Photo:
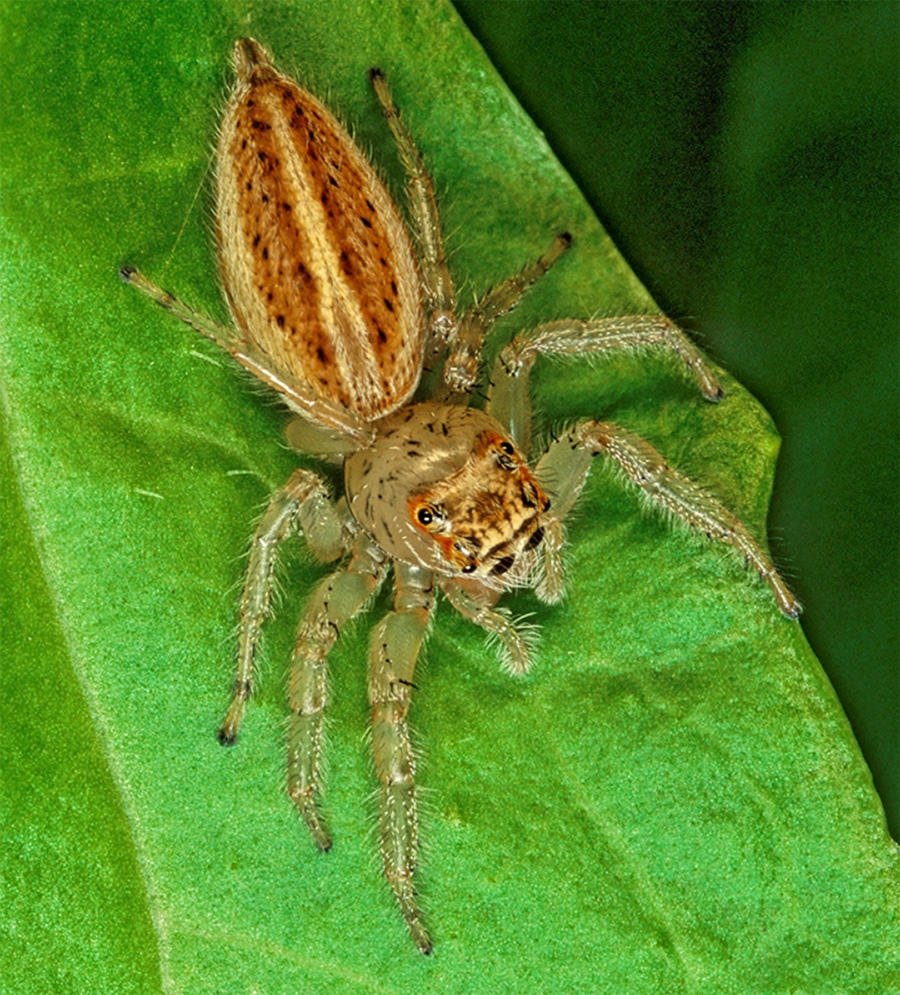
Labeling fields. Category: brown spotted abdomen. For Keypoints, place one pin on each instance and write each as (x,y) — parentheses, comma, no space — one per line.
(315,260)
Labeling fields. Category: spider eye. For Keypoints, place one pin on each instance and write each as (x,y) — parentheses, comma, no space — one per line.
(504,454)
(469,568)
(424,516)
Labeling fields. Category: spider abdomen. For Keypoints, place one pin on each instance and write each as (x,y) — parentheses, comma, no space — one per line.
(315,260)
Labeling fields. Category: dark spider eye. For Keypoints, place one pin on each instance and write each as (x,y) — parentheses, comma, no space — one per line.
(469,568)
(504,455)
(424,516)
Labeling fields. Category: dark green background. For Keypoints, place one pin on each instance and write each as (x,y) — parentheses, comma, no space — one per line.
(744,158)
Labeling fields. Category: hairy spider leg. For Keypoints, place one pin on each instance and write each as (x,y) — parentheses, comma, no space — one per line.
(510,401)
(563,469)
(396,642)
(302,500)
(464,339)
(300,396)
(437,284)
(461,366)
(477,607)
(335,601)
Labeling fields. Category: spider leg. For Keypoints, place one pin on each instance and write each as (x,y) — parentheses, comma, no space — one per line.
(336,600)
(461,367)
(299,395)
(509,399)
(304,500)
(395,646)
(436,280)
(564,467)
(476,604)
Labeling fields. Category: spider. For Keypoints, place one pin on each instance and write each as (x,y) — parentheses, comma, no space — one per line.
(333,309)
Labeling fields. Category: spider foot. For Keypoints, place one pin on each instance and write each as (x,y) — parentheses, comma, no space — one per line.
(228,732)
(402,887)
(308,808)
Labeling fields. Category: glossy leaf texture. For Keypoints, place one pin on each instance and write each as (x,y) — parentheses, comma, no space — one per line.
(672,802)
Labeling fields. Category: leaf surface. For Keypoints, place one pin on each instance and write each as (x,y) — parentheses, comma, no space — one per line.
(671,802)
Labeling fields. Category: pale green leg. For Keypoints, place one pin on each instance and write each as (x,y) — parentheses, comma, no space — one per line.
(395,646)
(436,280)
(303,500)
(477,607)
(563,469)
(336,600)
(461,366)
(299,395)
(509,398)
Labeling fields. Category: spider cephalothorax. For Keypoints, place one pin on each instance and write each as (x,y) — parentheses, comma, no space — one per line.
(472,505)
(332,309)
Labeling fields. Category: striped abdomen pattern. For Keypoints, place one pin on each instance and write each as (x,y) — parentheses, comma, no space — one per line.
(315,260)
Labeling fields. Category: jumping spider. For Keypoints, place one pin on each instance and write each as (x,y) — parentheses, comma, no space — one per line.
(333,310)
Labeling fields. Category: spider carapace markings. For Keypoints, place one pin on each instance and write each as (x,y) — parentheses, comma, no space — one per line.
(333,309)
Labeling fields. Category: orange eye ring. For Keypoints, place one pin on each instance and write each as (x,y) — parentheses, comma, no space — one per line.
(424,515)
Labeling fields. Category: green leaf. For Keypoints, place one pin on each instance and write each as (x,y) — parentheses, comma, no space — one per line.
(672,802)
(744,158)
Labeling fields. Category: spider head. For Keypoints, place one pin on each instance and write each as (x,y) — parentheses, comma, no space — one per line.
(443,487)
(485,517)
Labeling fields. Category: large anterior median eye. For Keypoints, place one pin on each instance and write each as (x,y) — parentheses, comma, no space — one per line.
(425,515)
